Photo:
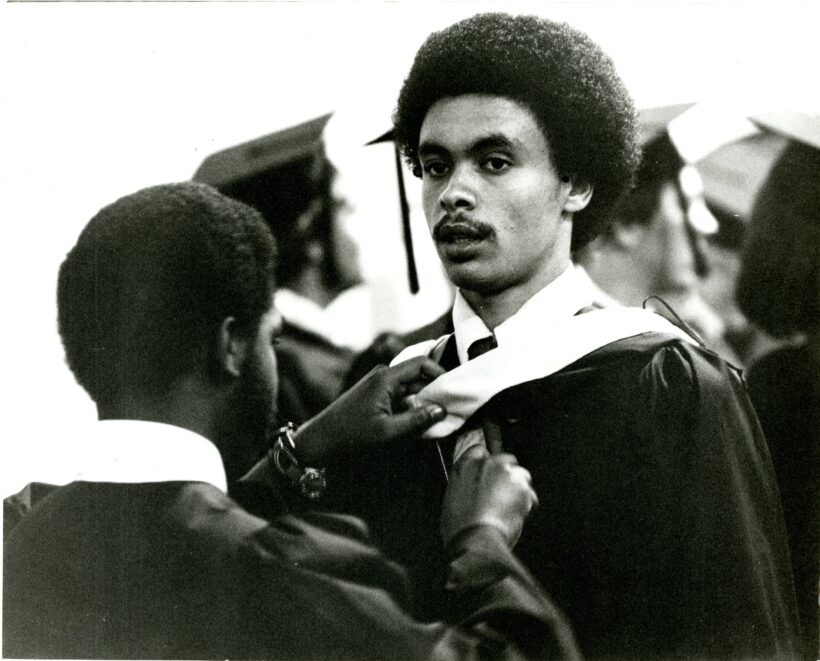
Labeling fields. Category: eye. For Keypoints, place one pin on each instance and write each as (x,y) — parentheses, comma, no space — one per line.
(496,163)
(435,168)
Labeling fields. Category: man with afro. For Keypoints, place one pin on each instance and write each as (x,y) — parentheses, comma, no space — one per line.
(665,537)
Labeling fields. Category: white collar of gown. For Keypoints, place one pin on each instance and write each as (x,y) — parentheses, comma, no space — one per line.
(543,337)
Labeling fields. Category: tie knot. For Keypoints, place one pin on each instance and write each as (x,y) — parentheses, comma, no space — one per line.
(481,346)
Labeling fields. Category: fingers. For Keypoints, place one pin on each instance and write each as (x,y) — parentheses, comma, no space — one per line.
(514,475)
(411,375)
(412,422)
(473,453)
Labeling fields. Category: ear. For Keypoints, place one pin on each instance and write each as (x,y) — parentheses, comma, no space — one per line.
(232,347)
(579,195)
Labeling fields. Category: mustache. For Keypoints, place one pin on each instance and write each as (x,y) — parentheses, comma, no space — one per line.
(460,227)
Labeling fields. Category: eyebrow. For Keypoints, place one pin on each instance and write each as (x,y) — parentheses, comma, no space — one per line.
(483,144)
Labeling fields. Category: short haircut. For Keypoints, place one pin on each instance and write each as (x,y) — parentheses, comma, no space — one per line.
(779,283)
(152,276)
(558,73)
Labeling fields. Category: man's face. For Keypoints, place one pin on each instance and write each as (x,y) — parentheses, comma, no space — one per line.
(494,203)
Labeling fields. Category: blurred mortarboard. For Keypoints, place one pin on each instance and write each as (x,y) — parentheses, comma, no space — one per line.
(793,124)
(652,122)
(734,169)
(267,153)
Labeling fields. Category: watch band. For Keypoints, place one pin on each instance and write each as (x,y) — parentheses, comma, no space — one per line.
(309,482)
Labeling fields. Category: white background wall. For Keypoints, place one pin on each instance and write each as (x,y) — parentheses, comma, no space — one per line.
(101,99)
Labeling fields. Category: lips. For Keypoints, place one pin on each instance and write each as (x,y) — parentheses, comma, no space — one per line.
(460,240)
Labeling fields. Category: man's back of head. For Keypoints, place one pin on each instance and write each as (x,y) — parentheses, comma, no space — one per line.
(148,283)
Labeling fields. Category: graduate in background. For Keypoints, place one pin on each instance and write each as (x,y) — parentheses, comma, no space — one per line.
(289,179)
(779,290)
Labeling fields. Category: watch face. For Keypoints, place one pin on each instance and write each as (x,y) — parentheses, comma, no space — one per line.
(312,482)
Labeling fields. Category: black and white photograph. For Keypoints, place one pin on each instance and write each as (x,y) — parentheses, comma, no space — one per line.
(385,330)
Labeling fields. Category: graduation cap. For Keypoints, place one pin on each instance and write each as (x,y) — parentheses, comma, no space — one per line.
(270,152)
(792,124)
(281,174)
(734,171)
(652,122)
(412,272)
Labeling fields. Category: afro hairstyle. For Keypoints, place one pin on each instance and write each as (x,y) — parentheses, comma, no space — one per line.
(558,73)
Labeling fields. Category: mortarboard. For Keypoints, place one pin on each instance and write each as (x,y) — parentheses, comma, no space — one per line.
(268,153)
(792,124)
(287,177)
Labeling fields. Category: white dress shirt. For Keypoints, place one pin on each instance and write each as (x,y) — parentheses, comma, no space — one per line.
(561,298)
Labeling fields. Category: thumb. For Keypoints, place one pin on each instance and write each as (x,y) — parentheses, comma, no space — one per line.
(413,422)
(477,451)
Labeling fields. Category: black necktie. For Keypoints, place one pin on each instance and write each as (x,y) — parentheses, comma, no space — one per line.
(481,346)
(492,430)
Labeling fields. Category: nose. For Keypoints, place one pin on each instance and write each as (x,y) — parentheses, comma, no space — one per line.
(459,192)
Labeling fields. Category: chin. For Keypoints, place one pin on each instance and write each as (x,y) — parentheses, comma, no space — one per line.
(473,279)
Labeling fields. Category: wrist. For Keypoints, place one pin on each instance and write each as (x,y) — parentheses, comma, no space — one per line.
(289,461)
(477,556)
(309,446)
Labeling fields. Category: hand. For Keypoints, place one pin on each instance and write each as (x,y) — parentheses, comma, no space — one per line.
(371,412)
(490,490)
(384,349)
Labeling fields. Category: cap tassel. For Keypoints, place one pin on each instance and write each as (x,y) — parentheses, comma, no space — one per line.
(412,272)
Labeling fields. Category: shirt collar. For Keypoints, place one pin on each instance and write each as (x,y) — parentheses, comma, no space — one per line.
(136,451)
(561,298)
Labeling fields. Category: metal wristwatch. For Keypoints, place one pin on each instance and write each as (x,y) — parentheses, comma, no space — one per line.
(309,482)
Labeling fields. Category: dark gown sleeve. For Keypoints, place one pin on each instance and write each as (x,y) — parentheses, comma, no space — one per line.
(357,603)
(784,387)
(18,505)
(706,490)
(348,602)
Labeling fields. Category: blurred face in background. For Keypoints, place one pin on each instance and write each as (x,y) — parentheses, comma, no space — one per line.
(345,249)
(674,253)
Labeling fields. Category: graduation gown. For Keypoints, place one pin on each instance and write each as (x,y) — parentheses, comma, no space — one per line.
(784,386)
(311,372)
(659,530)
(179,570)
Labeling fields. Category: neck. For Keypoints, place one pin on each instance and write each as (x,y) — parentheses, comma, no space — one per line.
(181,408)
(495,308)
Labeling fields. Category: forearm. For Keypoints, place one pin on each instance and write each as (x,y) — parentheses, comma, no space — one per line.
(496,601)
